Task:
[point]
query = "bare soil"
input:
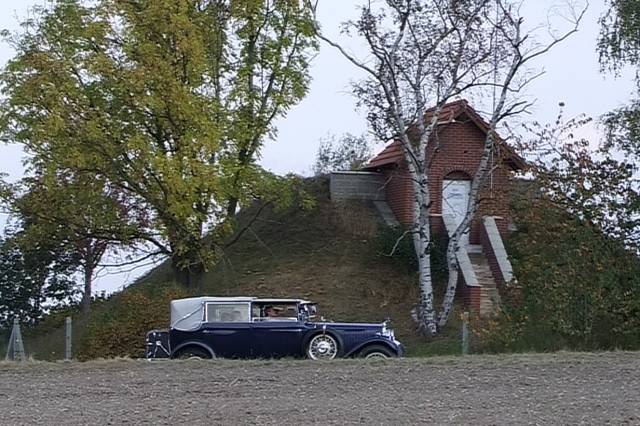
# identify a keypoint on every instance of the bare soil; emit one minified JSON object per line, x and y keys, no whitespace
{"x":564,"y":388}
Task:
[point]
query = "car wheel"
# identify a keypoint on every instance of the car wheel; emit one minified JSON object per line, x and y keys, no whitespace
{"x":377,"y":351}
{"x":322,"y":346}
{"x":193,"y":352}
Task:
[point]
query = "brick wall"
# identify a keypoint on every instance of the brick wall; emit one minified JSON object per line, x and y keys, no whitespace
{"x":399,"y":193}
{"x":472,"y":298}
{"x":456,"y":151}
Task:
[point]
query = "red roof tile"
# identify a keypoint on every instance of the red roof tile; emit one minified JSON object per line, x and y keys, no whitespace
{"x":392,"y":153}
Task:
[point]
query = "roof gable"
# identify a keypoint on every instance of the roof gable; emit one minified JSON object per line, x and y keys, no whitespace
{"x":392,"y":153}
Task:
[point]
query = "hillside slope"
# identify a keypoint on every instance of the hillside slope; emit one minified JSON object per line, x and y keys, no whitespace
{"x":329,"y":254}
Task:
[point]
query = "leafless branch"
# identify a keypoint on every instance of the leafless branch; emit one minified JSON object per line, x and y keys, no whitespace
{"x":398,"y":241}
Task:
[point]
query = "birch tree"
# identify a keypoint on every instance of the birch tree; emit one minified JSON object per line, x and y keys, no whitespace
{"x":421,"y":55}
{"x":511,"y":77}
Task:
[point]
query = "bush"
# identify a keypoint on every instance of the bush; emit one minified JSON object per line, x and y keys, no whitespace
{"x":118,"y":328}
{"x":578,"y":288}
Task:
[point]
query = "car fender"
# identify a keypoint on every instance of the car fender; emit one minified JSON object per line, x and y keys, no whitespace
{"x":193,"y":343}
{"x":374,"y":341}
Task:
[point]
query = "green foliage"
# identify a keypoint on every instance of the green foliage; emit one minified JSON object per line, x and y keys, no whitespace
{"x":349,"y":152}
{"x":167,"y":101}
{"x":119,"y":327}
{"x":577,"y":287}
{"x":33,"y":277}
{"x":575,"y":253}
{"x":81,"y":215}
{"x":619,"y":41}
{"x":619,"y":46}
{"x":594,"y":184}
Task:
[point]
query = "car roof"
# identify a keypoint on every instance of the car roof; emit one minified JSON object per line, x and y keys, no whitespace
{"x":280,"y":301}
{"x":241,"y":299}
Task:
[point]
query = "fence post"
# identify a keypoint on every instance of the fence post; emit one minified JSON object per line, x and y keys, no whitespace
{"x":15,"y":350}
{"x":465,"y":333}
{"x":67,"y":335}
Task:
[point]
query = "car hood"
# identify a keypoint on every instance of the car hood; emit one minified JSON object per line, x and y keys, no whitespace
{"x":351,"y":325}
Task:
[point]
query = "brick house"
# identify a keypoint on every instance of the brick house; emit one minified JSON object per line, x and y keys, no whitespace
{"x":455,"y":151}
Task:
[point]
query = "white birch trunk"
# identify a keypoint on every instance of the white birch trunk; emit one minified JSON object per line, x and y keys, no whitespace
{"x":422,"y":246}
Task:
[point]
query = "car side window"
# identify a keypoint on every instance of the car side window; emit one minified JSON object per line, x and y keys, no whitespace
{"x":276,"y":312}
{"x":227,"y":312}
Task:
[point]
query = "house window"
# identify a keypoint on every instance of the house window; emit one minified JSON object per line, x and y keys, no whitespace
{"x":227,"y":312}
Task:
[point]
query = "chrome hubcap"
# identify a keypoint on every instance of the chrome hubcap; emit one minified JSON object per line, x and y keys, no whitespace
{"x":323,"y":347}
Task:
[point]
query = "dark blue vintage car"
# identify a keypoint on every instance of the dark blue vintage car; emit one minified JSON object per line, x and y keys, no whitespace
{"x":247,"y":327}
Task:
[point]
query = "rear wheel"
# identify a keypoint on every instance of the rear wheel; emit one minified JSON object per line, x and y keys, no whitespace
{"x":377,"y":351}
{"x":322,"y":346}
{"x":193,"y":352}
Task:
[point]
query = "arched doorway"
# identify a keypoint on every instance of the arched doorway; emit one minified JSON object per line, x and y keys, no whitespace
{"x":456,"y":187}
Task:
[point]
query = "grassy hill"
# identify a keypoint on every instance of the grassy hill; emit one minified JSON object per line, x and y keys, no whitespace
{"x":329,"y":254}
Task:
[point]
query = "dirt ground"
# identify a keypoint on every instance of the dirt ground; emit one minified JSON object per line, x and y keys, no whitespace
{"x":564,"y":388}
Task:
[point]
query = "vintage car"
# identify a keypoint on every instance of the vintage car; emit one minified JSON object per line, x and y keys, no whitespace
{"x":248,"y":327}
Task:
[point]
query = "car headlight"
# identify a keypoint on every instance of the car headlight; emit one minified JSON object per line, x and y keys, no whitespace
{"x":387,"y":332}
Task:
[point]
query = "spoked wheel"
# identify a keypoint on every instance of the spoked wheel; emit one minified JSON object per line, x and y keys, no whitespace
{"x":322,"y":346}
{"x":193,"y":353}
{"x":377,"y":352}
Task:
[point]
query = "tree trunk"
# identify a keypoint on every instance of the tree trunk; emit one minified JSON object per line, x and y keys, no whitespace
{"x":452,"y":283}
{"x":427,"y":311}
{"x":190,"y":277}
{"x":88,"y":286}
{"x":232,"y":206}
{"x":479,"y":180}
{"x":422,"y":246}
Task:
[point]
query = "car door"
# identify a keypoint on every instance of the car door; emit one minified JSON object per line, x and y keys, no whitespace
{"x":277,"y":337}
{"x":227,"y":329}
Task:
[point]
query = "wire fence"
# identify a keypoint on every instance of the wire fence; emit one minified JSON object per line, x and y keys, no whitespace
{"x":61,"y":341}
{"x":54,"y":343}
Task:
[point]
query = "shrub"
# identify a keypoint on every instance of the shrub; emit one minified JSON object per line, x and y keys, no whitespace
{"x":118,"y":328}
{"x":578,"y":288}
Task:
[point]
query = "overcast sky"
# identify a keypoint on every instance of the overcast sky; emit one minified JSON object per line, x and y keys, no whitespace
{"x":571,"y":75}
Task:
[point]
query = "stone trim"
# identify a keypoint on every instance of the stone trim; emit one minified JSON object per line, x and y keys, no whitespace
{"x":466,"y":268}
{"x":497,"y":246}
{"x":386,"y":213}
{"x":355,"y":172}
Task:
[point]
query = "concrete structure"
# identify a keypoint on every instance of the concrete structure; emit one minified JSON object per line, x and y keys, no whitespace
{"x":357,"y":186}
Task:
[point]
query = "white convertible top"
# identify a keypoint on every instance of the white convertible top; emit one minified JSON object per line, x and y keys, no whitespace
{"x":188,"y":314}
